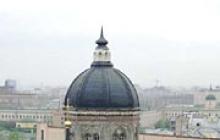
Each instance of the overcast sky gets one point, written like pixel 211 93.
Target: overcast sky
pixel 49 42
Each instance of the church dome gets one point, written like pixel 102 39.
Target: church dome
pixel 210 97
pixel 102 87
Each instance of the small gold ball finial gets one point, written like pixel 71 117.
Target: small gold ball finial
pixel 68 124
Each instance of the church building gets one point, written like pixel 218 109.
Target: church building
pixel 101 103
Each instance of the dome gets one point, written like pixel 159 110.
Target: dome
pixel 102 87
pixel 210 97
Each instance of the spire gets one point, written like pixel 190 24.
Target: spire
pixel 102 55
pixel 101 41
pixel 210 87
pixel 101 34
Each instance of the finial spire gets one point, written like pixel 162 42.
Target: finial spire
pixel 102 41
pixel 101 34
pixel 102 55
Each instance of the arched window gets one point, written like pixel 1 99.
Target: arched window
pixel 87 136
pixel 119 134
pixel 96 136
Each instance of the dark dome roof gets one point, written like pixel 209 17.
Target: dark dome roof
pixel 102 87
pixel 210 97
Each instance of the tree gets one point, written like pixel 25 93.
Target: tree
pixel 15 136
pixel 163 123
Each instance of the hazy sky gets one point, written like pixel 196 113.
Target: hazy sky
pixel 49 42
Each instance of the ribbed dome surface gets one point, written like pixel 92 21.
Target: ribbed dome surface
pixel 102 87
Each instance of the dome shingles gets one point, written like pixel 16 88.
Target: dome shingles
pixel 102 88
pixel 71 97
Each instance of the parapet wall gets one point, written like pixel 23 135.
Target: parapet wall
pixel 168 137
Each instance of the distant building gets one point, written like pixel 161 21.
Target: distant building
pixel 9 87
pixel 24 101
pixel 149 118
pixel 210 102
pixel 45 132
pixel 49 98
pixel 26 116
pixel 159 97
pixel 200 95
pixel 10 84
pixel 181 125
pixel 194 121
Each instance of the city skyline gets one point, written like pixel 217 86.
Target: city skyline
pixel 48 42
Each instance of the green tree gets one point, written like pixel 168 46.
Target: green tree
pixel 163 123
pixel 15 136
